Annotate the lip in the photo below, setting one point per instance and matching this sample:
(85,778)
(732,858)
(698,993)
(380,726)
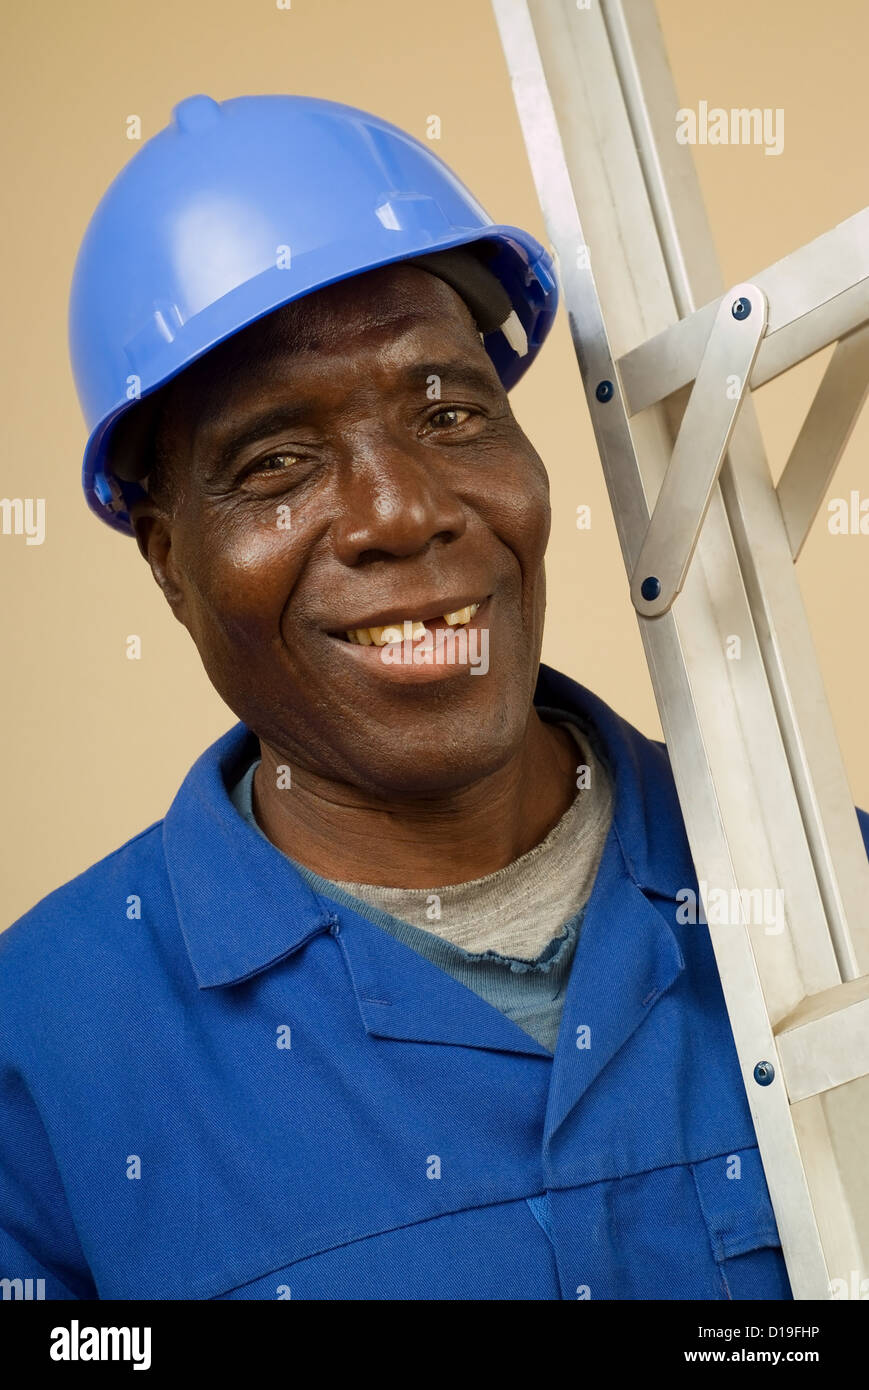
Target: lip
(389,616)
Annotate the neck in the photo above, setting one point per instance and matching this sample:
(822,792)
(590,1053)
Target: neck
(343,833)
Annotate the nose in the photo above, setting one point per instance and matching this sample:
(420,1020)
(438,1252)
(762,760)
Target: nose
(394,502)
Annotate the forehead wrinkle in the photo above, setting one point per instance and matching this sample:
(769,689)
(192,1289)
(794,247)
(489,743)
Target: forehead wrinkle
(384,339)
(283,368)
(326,319)
(320,321)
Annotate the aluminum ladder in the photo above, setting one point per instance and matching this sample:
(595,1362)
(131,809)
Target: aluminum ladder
(668,357)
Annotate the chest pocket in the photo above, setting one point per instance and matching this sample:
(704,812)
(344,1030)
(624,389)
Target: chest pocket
(743,1235)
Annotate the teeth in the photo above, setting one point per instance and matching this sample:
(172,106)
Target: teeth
(380,636)
(394,632)
(461,615)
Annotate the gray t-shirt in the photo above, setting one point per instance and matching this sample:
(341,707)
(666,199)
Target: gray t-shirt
(509,936)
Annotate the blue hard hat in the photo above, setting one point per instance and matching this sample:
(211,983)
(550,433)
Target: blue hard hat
(238,207)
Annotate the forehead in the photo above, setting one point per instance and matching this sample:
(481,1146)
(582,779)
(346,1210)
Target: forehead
(400,311)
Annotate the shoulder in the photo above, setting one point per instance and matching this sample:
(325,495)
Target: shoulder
(75,939)
(109,917)
(649,812)
(72,905)
(615,735)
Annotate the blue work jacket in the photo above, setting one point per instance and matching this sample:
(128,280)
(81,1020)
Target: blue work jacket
(216,1084)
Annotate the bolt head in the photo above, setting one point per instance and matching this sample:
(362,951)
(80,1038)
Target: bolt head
(764,1073)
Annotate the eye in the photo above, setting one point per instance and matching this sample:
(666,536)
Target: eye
(284,462)
(281,470)
(263,466)
(453,410)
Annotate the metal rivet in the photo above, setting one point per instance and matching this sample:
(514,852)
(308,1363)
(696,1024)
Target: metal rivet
(741,308)
(650,588)
(764,1073)
(605,391)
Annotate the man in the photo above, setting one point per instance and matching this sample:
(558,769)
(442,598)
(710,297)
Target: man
(394,1002)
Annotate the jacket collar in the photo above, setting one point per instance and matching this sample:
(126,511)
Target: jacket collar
(243,906)
(646,815)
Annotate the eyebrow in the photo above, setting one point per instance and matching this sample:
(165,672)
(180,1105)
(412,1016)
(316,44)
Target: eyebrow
(452,372)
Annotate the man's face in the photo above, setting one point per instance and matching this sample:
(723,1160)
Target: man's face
(320,486)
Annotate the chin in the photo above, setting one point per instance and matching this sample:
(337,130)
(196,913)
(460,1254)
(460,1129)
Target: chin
(421,764)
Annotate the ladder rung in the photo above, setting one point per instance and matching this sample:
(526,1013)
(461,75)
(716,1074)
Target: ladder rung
(825,1041)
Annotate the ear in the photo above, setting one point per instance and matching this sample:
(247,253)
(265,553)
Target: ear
(153,531)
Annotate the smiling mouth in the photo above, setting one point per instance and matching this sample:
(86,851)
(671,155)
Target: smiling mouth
(391,627)
(397,631)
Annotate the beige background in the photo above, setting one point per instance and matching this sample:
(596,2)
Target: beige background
(94,745)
